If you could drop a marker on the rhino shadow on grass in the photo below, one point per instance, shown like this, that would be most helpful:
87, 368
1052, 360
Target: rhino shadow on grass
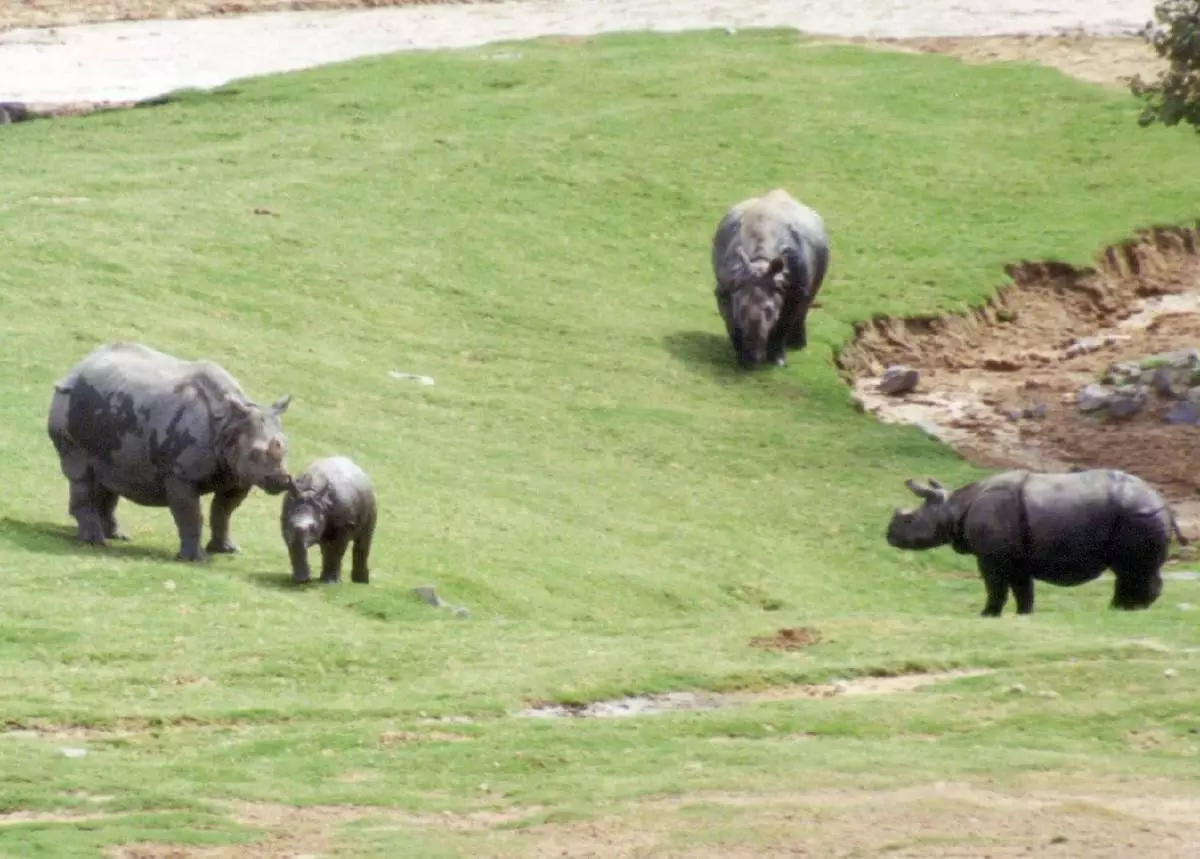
704, 351
51, 538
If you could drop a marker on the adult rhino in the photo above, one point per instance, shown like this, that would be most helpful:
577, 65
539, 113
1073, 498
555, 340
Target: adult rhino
1062, 528
131, 422
770, 255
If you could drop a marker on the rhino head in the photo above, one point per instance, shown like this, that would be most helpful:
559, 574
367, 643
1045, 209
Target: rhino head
257, 447
757, 307
925, 527
304, 514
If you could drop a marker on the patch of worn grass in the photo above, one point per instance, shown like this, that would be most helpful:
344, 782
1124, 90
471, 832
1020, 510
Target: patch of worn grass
619, 508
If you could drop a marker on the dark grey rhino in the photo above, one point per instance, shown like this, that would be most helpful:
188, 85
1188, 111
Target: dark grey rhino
330, 504
770, 255
131, 422
1062, 528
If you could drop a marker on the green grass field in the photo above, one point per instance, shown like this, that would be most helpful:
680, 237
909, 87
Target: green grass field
618, 507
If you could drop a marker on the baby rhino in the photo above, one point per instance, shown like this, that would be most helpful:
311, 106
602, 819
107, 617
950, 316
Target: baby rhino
330, 504
1064, 529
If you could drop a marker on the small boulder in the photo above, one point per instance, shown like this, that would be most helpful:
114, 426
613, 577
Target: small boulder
1127, 402
899, 380
1093, 398
1183, 412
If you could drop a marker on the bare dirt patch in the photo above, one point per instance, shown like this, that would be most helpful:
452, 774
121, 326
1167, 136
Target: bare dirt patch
999, 384
933, 820
1107, 61
791, 638
669, 702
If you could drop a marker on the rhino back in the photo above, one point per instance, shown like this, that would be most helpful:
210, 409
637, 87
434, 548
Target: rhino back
353, 493
139, 415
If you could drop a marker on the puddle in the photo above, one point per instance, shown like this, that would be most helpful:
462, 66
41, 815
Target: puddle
672, 702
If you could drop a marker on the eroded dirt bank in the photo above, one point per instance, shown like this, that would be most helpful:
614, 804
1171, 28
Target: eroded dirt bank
1002, 383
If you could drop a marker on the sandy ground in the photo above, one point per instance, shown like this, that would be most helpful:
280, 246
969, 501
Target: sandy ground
131, 60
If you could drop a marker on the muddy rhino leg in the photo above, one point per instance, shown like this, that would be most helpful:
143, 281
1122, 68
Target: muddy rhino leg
797, 337
82, 505
184, 501
106, 507
995, 579
224, 502
332, 553
360, 573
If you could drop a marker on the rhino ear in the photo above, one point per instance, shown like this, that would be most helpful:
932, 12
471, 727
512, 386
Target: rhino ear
936, 485
924, 492
280, 406
237, 404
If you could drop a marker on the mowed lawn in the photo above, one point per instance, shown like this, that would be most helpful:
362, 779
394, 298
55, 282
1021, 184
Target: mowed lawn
620, 510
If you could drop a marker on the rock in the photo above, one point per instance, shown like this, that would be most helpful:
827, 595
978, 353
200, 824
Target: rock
1035, 412
461, 612
899, 380
412, 377
73, 753
1048, 693
428, 594
1193, 396
1014, 415
1017, 688
1127, 402
1170, 672
1122, 373
1001, 365
1093, 397
1183, 412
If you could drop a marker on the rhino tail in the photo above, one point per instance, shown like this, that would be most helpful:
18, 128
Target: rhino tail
1183, 541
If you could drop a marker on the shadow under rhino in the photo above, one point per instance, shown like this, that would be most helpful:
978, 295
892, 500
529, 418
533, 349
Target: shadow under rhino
54, 539
704, 351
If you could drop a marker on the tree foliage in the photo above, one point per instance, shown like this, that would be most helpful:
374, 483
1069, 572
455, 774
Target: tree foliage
1175, 96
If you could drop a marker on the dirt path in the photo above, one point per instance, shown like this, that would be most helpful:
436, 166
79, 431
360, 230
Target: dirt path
131, 60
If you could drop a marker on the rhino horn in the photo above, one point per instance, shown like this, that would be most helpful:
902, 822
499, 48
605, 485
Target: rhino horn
275, 449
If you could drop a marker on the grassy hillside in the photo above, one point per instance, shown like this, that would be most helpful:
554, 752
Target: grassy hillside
620, 509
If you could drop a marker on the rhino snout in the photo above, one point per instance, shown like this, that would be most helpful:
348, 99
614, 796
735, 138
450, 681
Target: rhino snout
275, 484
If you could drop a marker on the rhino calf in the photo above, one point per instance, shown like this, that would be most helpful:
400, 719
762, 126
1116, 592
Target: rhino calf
1062, 528
330, 504
770, 255
131, 422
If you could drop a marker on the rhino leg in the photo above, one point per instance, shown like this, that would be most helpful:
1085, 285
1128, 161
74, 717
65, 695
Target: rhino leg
83, 506
301, 573
332, 552
1022, 588
359, 571
224, 502
106, 507
995, 579
1138, 587
797, 337
184, 501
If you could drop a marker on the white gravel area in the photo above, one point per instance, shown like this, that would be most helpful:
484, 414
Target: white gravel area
128, 61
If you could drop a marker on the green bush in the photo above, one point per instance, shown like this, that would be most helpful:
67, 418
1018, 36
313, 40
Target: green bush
1175, 96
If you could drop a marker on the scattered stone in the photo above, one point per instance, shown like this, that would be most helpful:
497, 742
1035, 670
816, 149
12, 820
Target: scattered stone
1001, 365
1014, 415
1048, 693
169, 585
1017, 689
1036, 412
429, 594
1087, 345
899, 380
1185, 606
1183, 412
1170, 672
1127, 402
414, 377
1092, 398
73, 753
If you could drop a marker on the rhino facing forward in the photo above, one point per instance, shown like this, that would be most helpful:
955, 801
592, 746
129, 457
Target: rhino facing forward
131, 422
1064, 529
331, 504
770, 255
